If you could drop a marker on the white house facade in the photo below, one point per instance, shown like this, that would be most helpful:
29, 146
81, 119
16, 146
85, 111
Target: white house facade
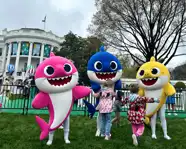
25, 47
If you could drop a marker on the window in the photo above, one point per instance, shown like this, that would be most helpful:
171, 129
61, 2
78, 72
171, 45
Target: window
47, 50
25, 48
14, 48
36, 49
25, 67
1, 50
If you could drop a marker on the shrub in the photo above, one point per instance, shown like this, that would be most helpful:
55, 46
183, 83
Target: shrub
180, 85
15, 96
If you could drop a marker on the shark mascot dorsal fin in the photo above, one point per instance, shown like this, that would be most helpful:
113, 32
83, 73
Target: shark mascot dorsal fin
103, 67
102, 49
52, 54
56, 78
154, 81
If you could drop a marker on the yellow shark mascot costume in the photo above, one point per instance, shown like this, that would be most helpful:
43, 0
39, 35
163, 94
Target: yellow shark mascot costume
153, 79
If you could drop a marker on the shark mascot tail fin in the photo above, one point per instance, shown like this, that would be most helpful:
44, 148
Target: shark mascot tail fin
91, 108
43, 126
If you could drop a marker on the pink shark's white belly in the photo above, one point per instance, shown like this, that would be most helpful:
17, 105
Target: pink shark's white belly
62, 103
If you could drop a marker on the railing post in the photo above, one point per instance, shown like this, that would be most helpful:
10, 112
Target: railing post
28, 99
85, 108
24, 106
184, 100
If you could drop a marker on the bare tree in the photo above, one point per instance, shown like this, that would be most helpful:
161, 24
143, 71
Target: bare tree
179, 73
149, 27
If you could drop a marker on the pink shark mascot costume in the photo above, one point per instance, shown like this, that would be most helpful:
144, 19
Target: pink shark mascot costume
56, 78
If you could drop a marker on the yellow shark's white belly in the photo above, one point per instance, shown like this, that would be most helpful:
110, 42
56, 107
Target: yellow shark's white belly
152, 107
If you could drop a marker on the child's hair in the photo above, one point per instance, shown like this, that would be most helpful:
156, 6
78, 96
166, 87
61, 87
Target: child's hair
105, 85
134, 88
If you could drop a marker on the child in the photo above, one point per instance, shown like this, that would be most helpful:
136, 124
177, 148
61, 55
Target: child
105, 108
136, 112
117, 107
171, 103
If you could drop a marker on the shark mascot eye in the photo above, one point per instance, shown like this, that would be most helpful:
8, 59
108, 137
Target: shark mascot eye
155, 71
141, 73
154, 83
98, 65
113, 65
48, 70
68, 68
57, 78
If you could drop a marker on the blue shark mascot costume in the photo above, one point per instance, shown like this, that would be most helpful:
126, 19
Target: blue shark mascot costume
103, 67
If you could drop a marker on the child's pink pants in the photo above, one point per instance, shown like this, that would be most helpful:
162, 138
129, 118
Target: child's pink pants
138, 129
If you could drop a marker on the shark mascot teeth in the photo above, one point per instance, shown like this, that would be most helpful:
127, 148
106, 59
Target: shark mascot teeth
153, 79
56, 78
102, 67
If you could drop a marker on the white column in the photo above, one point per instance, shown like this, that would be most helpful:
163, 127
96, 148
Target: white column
30, 54
8, 58
4, 57
17, 58
52, 48
42, 52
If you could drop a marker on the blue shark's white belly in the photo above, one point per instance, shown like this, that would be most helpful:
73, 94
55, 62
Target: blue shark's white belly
61, 104
151, 107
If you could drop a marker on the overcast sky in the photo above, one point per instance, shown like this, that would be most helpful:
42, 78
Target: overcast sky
62, 16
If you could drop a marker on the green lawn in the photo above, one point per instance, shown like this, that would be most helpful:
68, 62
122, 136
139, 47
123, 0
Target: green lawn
21, 132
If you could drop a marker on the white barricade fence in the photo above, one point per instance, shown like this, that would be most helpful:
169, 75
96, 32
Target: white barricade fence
180, 101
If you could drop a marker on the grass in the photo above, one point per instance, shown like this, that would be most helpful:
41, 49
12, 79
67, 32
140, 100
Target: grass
22, 132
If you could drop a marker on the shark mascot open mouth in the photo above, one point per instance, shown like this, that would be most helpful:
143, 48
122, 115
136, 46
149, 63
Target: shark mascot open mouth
102, 67
153, 79
56, 78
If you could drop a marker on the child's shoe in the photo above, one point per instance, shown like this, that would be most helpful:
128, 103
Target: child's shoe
135, 141
108, 137
98, 133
